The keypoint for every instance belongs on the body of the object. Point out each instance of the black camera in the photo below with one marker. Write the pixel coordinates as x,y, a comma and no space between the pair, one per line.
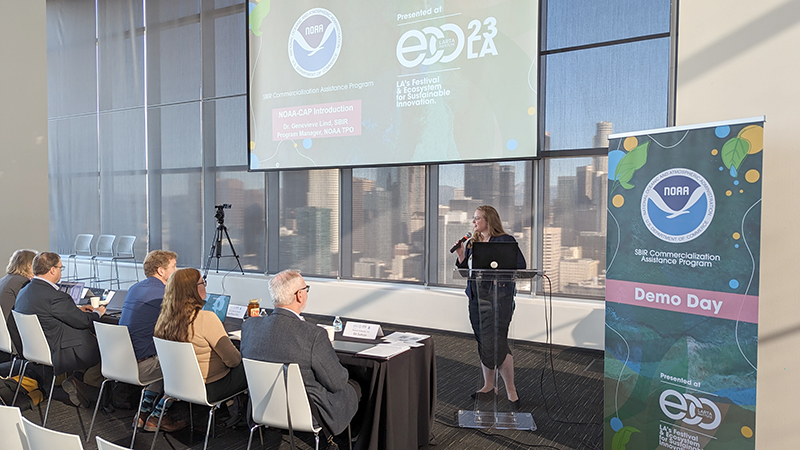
220,215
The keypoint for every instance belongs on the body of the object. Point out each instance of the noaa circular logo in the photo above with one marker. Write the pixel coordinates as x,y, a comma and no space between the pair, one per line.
314,42
678,205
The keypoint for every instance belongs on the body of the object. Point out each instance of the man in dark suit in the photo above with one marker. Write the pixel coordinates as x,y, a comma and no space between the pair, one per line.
285,337
68,328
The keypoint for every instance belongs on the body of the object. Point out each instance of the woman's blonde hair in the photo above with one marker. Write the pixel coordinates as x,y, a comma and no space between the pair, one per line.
181,304
21,263
493,223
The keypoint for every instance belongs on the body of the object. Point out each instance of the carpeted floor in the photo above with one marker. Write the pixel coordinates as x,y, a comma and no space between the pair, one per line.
569,417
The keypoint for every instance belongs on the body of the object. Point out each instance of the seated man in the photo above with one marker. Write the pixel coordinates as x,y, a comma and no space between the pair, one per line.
68,328
140,313
285,337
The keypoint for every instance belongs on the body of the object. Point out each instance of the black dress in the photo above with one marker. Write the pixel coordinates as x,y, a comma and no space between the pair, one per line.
482,314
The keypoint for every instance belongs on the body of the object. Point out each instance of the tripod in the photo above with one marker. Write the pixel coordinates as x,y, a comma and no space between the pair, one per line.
216,248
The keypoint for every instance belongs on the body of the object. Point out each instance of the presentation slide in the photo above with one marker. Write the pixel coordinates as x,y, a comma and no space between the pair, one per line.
367,83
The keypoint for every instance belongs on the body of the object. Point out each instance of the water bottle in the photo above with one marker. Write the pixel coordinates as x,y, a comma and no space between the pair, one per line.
337,324
105,295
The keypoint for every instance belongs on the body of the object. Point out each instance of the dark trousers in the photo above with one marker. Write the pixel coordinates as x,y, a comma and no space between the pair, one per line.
228,385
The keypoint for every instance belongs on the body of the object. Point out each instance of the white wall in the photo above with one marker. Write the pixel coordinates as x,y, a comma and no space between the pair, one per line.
738,59
24,208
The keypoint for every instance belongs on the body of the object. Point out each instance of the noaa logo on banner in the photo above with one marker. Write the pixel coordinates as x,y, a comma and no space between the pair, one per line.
677,205
314,42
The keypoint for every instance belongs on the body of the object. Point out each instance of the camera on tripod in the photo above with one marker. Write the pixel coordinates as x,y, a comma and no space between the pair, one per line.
220,215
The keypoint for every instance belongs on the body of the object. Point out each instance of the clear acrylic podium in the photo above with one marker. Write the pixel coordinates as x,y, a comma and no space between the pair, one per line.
495,294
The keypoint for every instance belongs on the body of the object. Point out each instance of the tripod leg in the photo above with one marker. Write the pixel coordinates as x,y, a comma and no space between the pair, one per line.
213,252
233,250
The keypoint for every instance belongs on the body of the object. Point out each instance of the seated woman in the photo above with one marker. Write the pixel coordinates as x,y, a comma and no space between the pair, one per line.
183,319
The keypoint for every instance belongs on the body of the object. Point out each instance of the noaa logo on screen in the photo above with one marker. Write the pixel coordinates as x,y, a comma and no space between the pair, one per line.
677,205
314,42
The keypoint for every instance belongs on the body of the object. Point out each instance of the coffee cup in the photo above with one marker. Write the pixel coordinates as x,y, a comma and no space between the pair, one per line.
95,302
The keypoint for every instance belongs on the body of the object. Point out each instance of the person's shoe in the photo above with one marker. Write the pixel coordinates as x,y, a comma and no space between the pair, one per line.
482,396
76,391
516,406
332,445
139,422
168,425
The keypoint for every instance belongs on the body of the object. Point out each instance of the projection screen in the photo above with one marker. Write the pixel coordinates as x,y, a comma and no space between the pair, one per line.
369,83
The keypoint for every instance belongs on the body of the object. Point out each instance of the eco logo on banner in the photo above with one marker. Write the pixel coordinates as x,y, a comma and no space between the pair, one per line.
682,279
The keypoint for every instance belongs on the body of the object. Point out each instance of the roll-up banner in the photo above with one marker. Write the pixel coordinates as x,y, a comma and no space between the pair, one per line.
682,282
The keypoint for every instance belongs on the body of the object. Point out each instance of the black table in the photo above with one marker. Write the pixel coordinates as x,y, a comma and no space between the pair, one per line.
397,409
400,403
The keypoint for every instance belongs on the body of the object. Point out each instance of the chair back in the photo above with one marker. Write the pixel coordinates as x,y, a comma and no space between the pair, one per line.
117,355
34,344
11,429
83,244
103,444
41,438
105,245
125,247
182,377
267,389
5,336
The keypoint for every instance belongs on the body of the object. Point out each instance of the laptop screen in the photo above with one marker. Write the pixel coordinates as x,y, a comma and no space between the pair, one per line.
494,255
74,289
218,304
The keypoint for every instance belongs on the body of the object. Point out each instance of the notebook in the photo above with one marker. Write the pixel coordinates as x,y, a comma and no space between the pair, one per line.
74,289
494,255
218,304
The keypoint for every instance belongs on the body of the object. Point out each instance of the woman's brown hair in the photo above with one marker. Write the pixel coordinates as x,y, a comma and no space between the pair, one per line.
492,222
21,263
181,304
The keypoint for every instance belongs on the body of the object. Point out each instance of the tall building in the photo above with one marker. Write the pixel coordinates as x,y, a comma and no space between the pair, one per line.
551,255
601,136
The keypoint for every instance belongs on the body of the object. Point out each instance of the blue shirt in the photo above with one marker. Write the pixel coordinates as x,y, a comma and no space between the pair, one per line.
140,313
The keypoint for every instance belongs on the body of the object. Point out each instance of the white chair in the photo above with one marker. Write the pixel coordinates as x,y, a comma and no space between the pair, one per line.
103,252
11,429
183,379
125,251
81,249
118,363
5,343
103,444
41,438
278,397
35,349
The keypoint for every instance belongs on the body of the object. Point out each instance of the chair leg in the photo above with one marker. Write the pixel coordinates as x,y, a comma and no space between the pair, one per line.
21,374
250,440
316,440
136,418
96,407
13,361
158,427
349,437
208,427
49,398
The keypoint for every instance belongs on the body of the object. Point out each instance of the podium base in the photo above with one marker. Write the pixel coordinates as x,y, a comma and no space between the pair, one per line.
498,420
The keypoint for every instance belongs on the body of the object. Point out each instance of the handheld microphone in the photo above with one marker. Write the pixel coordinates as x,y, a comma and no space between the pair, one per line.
460,241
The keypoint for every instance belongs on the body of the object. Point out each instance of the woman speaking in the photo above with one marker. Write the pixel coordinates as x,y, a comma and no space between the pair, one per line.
482,314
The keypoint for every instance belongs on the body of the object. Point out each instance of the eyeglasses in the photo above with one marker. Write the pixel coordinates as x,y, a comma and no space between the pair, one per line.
203,282
61,267
306,288
477,218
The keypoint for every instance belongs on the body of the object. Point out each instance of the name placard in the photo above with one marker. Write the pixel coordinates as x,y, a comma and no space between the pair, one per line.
236,311
362,330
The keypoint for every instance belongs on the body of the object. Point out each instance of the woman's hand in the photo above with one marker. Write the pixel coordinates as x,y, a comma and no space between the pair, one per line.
460,251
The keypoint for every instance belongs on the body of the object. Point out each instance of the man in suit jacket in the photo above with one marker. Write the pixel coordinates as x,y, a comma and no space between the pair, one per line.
68,328
285,337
